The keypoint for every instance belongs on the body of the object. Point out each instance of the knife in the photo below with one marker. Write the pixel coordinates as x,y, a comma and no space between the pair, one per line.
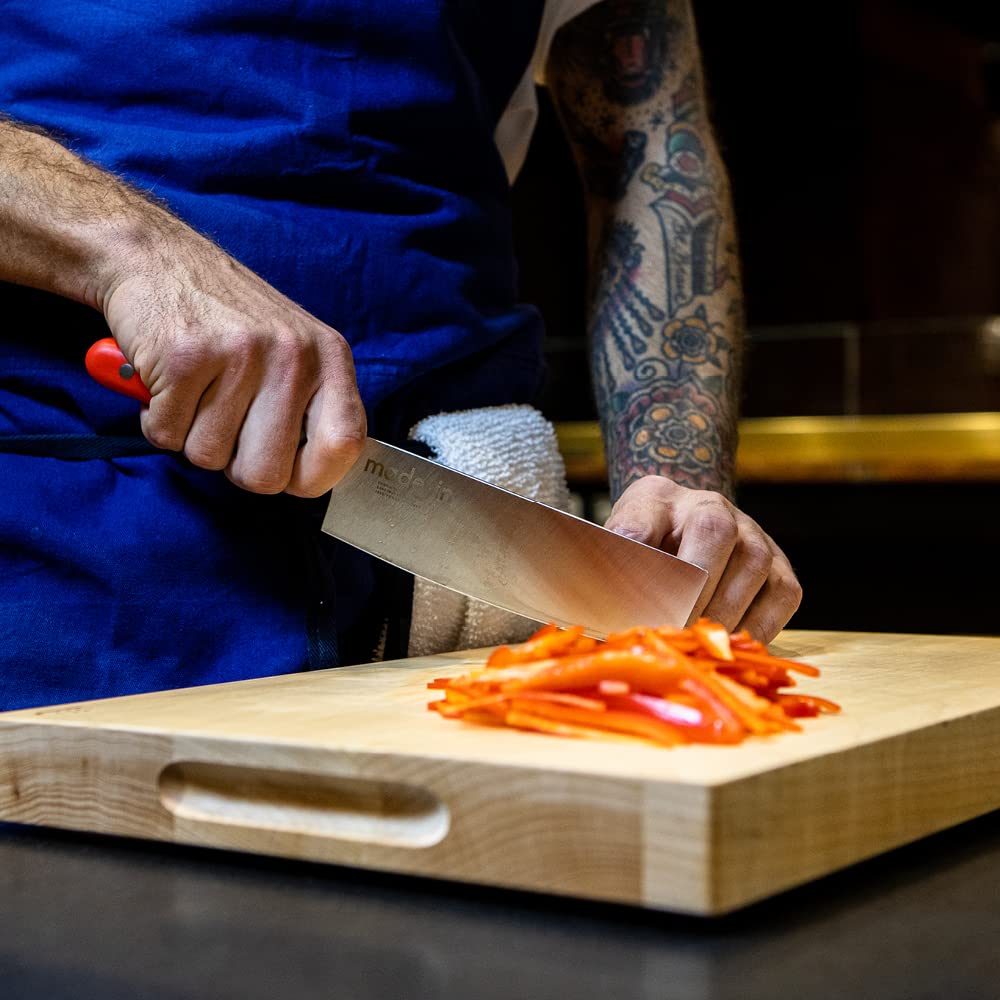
483,541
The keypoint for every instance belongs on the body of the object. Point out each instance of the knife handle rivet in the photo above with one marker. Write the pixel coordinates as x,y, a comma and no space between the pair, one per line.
126,371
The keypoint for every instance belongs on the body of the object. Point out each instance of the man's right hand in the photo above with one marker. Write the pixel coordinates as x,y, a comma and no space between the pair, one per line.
237,372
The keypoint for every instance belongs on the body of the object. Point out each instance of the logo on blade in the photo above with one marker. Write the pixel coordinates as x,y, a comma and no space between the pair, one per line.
397,483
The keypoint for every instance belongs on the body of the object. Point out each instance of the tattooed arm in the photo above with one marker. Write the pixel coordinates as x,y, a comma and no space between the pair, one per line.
665,308
665,324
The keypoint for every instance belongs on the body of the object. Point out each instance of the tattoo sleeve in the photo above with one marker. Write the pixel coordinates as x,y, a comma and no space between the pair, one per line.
665,313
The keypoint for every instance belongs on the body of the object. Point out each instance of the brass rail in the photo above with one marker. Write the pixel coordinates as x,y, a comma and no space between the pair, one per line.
932,447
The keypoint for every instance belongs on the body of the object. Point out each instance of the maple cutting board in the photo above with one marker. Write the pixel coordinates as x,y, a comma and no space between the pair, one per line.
347,766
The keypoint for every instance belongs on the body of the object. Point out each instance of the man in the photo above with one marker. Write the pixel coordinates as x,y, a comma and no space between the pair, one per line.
302,221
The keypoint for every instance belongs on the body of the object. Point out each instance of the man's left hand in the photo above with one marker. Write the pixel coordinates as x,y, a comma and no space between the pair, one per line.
750,583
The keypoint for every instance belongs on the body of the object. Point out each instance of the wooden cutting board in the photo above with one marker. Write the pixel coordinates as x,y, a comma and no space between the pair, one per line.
347,766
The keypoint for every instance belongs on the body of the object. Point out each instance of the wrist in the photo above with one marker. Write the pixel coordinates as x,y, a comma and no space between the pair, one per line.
66,226
626,466
134,241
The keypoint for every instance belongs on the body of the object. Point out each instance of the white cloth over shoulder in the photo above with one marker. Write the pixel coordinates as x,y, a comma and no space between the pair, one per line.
517,123
510,446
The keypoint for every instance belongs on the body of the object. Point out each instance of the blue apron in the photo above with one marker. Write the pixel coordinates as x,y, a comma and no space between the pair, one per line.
342,149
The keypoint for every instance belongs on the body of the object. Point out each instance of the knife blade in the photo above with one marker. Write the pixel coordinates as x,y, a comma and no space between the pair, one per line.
504,549
483,541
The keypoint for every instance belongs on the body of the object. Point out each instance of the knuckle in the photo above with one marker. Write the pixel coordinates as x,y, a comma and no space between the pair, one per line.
757,557
207,454
340,446
254,358
709,500
649,483
654,487
774,616
645,498
339,349
243,346
295,354
790,591
260,480
308,491
716,525
765,628
162,435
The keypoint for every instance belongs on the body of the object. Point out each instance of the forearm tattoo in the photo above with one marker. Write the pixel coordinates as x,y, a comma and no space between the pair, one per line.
666,311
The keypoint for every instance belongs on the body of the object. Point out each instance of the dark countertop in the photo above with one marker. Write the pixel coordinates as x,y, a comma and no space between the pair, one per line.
84,916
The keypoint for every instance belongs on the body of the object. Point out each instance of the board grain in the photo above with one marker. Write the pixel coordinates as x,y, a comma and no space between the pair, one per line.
347,766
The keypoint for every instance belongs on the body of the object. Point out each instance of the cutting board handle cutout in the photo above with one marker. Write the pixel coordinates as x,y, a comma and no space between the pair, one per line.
385,813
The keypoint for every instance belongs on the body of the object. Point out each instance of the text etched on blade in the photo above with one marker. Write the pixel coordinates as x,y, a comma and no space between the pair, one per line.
399,483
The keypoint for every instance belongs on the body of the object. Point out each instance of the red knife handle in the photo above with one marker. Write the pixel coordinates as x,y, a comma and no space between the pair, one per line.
108,366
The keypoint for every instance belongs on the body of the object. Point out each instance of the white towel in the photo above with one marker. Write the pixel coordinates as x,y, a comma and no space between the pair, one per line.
510,446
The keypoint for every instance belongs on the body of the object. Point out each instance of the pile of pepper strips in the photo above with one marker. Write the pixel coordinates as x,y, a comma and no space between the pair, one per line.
667,686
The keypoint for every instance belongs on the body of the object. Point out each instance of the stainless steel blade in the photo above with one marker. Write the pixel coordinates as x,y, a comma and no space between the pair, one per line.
504,549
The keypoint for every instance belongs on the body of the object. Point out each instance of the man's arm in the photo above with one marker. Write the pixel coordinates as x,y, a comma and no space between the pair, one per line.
665,313
666,318
63,221
234,368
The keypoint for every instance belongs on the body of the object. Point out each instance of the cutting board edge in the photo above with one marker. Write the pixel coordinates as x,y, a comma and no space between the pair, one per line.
708,882
881,787
108,782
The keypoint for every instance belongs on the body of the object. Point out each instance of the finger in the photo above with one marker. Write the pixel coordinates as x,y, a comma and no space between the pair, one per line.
269,438
775,603
211,440
709,535
167,420
336,427
642,513
746,572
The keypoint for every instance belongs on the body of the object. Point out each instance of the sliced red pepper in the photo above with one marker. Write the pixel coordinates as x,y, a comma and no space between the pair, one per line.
737,701
714,638
667,685
766,660
457,707
725,722
541,724
702,725
642,671
621,722
798,705
548,641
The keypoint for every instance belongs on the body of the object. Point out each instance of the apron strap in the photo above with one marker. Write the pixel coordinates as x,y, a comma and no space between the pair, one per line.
76,447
